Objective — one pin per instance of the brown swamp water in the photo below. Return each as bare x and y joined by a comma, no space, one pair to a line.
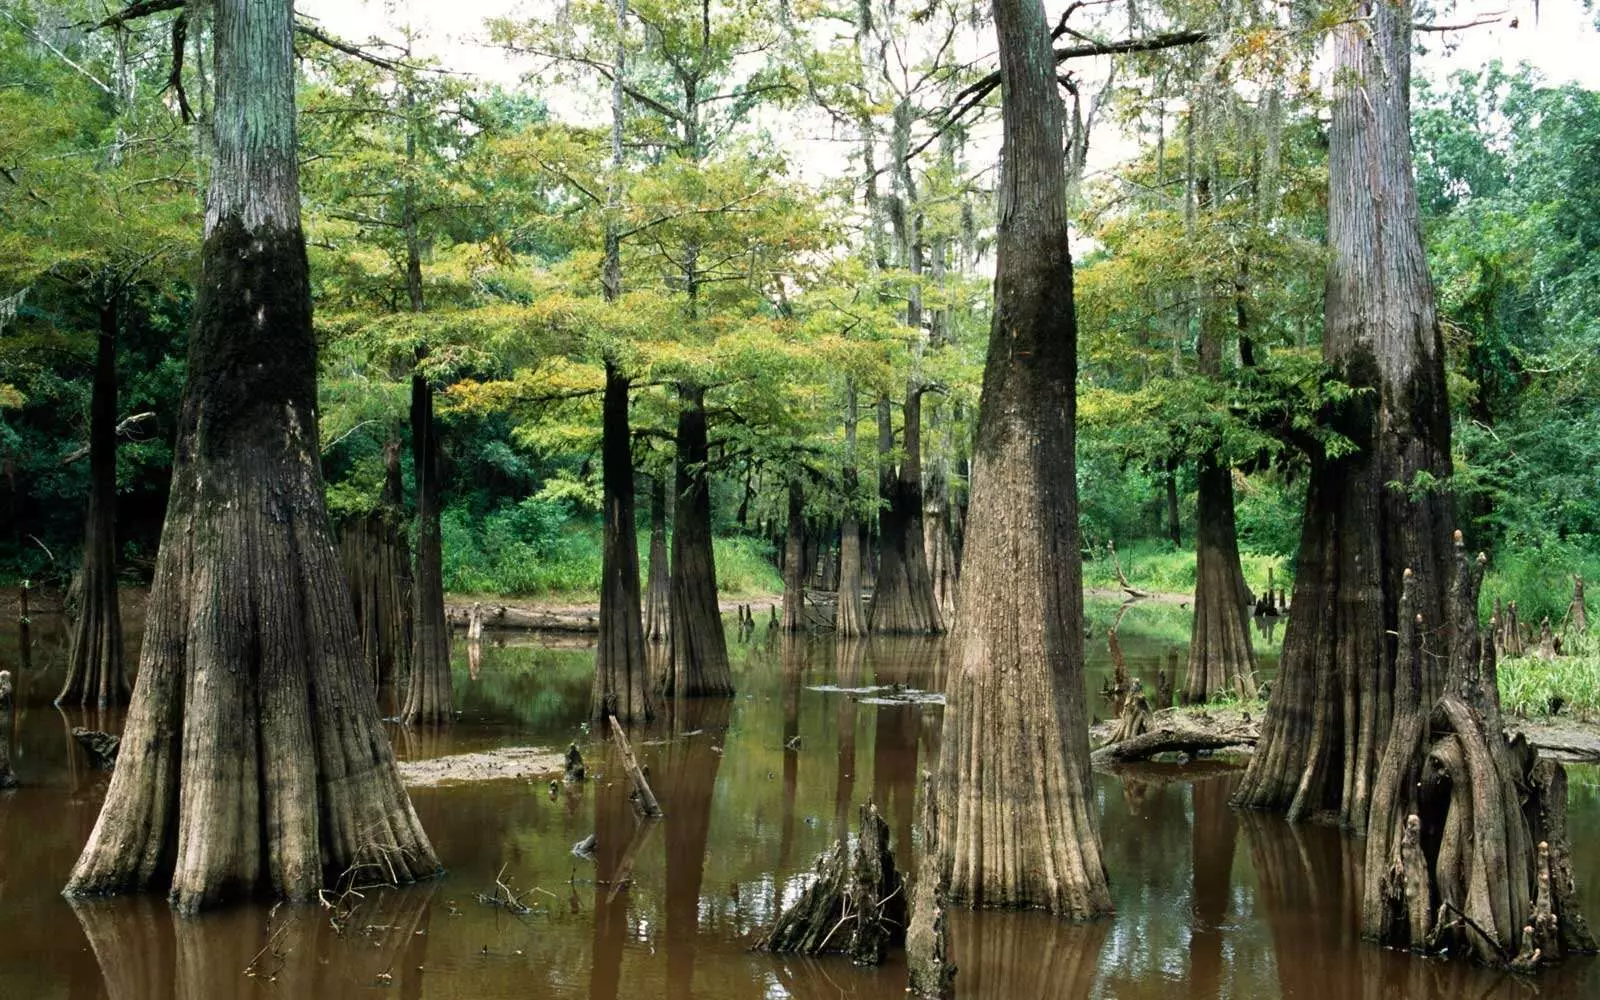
1210,902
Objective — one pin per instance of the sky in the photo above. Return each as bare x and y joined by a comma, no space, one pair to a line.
1556,36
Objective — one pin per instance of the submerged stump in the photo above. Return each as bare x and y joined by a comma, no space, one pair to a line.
856,906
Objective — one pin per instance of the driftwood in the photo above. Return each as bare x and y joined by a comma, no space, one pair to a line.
101,747
1116,564
643,797
856,906
507,617
1170,736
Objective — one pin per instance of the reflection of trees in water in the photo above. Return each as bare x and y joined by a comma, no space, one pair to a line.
1024,955
794,656
913,663
849,658
620,834
1214,837
145,951
686,788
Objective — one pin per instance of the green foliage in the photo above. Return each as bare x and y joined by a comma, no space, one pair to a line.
1531,687
1538,577
1157,567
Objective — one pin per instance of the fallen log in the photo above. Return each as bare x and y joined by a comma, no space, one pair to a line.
1169,738
502,616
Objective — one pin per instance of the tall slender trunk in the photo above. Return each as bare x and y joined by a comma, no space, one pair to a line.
428,697
1329,717
621,684
850,617
1221,658
657,614
1015,741
794,561
699,657
94,661
377,563
262,766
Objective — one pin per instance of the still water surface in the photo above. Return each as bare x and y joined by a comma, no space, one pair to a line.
1210,902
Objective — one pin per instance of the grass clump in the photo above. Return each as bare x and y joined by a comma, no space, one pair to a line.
1568,685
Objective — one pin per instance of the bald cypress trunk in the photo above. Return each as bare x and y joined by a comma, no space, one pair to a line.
850,617
428,696
262,767
902,596
94,660
794,561
621,684
658,599
1329,716
698,664
377,563
1016,820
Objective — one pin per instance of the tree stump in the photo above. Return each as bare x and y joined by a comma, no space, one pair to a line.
1577,613
574,771
1135,717
1467,847
856,906
101,747
930,971
1549,645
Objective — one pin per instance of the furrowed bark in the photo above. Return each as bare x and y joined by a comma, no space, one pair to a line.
1221,658
94,660
850,616
378,564
257,762
658,599
621,683
1016,818
902,597
1330,713
698,663
428,696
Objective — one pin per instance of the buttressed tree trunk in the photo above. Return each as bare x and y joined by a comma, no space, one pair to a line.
621,683
428,698
1221,658
1329,716
1016,819
94,661
698,664
794,561
262,766
902,596
657,616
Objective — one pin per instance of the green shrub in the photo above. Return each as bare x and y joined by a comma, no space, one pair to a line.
1539,578
1154,565
1531,687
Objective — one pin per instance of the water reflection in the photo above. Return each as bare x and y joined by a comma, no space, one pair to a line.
1209,902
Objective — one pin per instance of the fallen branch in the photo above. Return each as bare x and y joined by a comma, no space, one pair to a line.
1171,739
643,797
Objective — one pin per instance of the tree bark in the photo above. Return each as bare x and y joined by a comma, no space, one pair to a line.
262,766
1329,716
698,664
621,681
1016,817
794,561
902,597
377,563
657,609
94,661
428,696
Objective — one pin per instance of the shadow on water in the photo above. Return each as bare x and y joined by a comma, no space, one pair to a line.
1210,903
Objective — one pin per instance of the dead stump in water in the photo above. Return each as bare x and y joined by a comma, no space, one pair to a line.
930,972
1467,848
101,747
1135,717
856,906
